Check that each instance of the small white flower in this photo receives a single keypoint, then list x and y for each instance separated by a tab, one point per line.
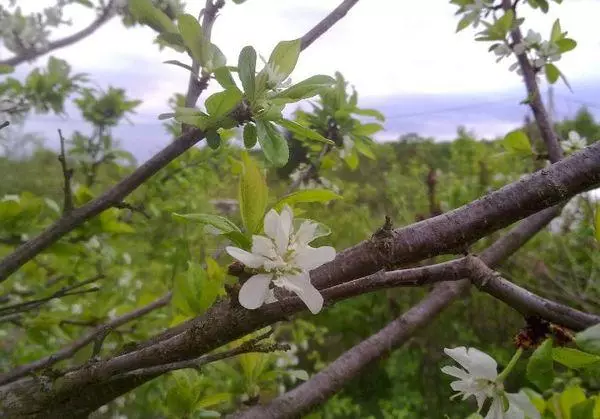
284	259
532	38
112	314
348	146
519	48
275	79
103	409
478	377
574	142
76	309
120	401
501	51
125	280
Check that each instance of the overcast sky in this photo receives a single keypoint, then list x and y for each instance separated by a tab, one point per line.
402	56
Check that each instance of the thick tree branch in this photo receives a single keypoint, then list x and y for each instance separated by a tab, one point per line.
116	194
31	54
69	351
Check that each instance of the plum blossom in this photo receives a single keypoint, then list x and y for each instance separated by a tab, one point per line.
282	258
574	142
479	378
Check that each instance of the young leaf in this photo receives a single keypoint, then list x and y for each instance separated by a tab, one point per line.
285	56
517	142
213	139
305	89
465	21
145	12
540	368
552	73
253	194
566	44
192	35
219	104
556	32
247	71
221	224
573	358
307	195
589	339
367	129
224	78
370	112
302	131
274	145
363	148
249	135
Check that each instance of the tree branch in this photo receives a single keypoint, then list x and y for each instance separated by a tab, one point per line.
555	152
116	194
252	345
324	25
67	175
72	349
31	53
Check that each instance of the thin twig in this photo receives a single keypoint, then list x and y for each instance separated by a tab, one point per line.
4	124
69	351
324	25
253	345
63	292
67	175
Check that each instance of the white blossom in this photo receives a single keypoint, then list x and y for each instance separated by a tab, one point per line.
532	38
478	378
76	309
348	146
282	258
276	80
574	142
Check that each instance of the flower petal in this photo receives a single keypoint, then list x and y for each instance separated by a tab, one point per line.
306	233
254	291
308	258
520	406
496	410
482	365
271	224
455	372
251	260
263	246
300	284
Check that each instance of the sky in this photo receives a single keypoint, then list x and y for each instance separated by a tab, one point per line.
403	57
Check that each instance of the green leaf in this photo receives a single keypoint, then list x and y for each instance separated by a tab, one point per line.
364	148
370	112
249	135
506	21
192	35
224	78
465	21
180	64
221	103
247	71
556	32
517	142
307	195
570	397
566	44
302	131
574	358
552	73
589	339
351	159
540	368
285	56
6	69
273	144
305	89
145	12
213	139
583	410
253	195
367	129
219	223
